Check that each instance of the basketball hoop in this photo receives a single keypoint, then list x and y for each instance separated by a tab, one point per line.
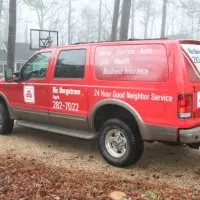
45	42
43	39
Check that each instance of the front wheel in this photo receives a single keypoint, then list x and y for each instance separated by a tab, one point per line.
6	124
119	144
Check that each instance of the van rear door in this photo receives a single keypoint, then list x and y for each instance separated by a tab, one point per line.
192	60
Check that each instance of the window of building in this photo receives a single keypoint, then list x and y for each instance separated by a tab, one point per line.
1	68
18	66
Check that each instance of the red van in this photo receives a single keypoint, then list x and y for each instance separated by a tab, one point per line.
121	93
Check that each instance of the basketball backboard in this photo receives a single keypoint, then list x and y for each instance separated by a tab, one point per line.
40	39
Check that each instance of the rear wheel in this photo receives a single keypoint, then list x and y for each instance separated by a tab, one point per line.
6	124
119	144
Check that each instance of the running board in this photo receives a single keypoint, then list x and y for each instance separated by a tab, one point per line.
63	131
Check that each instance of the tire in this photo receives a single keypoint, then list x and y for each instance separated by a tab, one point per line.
129	146
6	124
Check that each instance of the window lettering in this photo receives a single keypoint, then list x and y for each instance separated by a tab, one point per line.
132	63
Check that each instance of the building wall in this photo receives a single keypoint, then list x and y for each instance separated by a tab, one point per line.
18	65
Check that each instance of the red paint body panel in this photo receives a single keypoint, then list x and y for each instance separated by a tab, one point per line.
149	80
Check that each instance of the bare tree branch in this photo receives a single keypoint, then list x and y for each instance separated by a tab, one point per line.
1	7
164	14
115	20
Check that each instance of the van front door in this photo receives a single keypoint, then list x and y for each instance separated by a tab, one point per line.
31	100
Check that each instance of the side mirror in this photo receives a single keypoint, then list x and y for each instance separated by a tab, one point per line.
8	74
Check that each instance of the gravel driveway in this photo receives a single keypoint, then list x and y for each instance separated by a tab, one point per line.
176	165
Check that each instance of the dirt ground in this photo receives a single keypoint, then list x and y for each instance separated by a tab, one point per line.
42	165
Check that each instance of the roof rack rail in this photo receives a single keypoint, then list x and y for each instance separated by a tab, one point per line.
88	42
79	43
132	39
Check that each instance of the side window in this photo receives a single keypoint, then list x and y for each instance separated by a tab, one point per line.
36	67
71	64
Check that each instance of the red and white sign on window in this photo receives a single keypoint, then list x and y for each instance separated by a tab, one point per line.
29	94
132	63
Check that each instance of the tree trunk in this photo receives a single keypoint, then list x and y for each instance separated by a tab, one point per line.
198	25
164	15
147	18
11	34
100	13
115	20
69	21
152	26
42	25
126	8
1	7
26	33
133	19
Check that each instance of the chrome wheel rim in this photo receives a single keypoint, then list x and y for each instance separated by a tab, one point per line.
116	143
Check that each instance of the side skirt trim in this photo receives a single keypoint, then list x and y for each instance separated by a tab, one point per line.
63	131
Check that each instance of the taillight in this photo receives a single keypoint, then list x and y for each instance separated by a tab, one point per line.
185	106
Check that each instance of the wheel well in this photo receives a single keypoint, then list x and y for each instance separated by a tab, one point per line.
114	111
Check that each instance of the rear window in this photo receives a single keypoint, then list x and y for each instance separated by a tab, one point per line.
132	63
193	52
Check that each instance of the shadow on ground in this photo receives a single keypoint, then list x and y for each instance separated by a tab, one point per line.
154	154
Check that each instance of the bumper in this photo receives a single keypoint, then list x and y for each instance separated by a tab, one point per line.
190	136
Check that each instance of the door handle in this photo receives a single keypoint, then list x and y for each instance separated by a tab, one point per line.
40	86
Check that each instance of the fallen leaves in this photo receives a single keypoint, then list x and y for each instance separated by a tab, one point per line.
29	180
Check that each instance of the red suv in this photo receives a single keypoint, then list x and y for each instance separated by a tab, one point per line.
123	93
